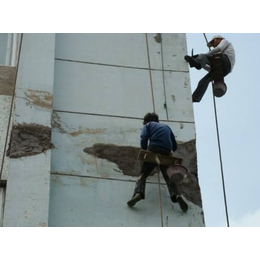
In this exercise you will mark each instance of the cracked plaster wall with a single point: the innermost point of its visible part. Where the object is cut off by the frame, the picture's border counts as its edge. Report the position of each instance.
(125, 157)
(28, 182)
(7, 81)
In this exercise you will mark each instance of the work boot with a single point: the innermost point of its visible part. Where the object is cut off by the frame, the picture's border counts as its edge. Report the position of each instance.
(134, 200)
(174, 198)
(183, 205)
(194, 100)
(193, 62)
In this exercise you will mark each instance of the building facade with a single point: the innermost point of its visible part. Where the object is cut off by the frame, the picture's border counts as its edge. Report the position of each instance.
(72, 115)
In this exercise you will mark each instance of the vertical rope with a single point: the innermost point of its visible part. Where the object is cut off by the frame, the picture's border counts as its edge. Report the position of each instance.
(159, 188)
(160, 197)
(219, 150)
(221, 164)
(165, 101)
(150, 73)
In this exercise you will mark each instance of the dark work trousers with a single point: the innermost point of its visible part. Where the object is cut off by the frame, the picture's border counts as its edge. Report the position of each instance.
(204, 82)
(147, 168)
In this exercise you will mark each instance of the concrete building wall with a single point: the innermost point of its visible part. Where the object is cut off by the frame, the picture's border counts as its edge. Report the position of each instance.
(103, 86)
(96, 88)
(28, 182)
(7, 81)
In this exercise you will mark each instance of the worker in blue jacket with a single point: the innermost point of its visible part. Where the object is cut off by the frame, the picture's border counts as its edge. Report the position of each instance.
(158, 138)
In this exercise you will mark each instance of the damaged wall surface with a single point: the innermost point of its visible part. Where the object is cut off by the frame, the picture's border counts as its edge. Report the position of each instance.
(7, 82)
(125, 157)
(28, 140)
(74, 137)
(103, 86)
(28, 182)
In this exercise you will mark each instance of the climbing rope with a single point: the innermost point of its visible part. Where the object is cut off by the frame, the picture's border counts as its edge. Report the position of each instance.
(159, 186)
(164, 87)
(219, 150)
(150, 72)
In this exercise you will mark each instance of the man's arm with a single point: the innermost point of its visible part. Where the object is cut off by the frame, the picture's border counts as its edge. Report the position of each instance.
(174, 144)
(220, 48)
(144, 138)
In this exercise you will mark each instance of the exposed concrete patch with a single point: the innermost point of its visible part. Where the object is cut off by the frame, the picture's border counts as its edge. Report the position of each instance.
(190, 189)
(124, 156)
(158, 37)
(29, 139)
(39, 98)
(7, 80)
(126, 159)
(187, 151)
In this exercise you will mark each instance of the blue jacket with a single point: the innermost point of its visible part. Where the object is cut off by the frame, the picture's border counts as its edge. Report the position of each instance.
(158, 135)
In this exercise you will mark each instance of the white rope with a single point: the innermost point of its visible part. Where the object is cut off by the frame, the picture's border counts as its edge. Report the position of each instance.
(219, 150)
(164, 87)
(159, 185)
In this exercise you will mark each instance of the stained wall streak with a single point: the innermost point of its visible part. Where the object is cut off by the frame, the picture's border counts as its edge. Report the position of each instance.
(39, 98)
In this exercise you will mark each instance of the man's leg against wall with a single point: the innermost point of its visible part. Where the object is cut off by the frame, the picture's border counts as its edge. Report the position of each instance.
(204, 60)
(201, 88)
(139, 192)
(146, 169)
(174, 191)
(172, 187)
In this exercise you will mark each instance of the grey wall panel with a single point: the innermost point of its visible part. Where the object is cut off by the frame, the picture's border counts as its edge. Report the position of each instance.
(173, 89)
(115, 49)
(78, 201)
(28, 188)
(83, 202)
(102, 89)
(173, 47)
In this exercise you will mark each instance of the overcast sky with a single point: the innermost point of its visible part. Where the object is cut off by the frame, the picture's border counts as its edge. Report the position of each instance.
(239, 127)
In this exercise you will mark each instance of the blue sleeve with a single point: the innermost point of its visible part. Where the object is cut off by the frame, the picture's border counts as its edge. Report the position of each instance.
(174, 144)
(144, 138)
